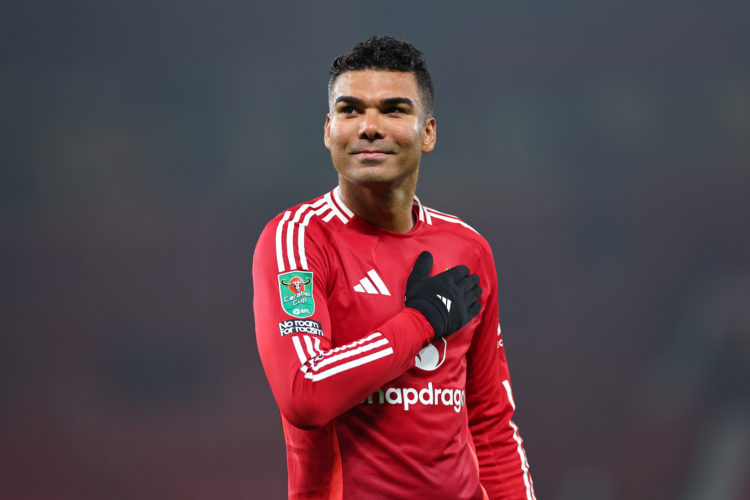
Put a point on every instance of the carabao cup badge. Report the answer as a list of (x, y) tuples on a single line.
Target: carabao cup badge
[(296, 290)]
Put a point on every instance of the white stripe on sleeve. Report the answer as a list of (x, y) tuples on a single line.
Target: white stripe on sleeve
[(506, 384), (333, 352), (301, 240), (521, 452), (348, 366), (279, 231), (310, 350), (524, 463), (348, 354), (317, 345), (290, 246), (339, 359), (300, 352)]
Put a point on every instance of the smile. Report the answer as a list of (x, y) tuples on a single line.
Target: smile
[(371, 155)]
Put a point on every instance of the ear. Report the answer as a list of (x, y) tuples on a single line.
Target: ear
[(429, 136), (327, 131)]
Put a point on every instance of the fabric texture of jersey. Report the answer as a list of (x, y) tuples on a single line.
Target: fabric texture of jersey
[(370, 408)]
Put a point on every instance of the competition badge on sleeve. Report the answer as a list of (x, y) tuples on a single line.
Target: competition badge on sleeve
[(296, 290)]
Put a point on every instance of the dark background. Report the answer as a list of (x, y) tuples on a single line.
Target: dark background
[(602, 148)]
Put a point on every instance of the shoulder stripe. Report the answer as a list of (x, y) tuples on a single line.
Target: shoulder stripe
[(323, 209), (279, 231), (301, 240), (290, 248), (304, 207), (290, 245), (335, 209), (290, 234), (449, 218), (330, 216)]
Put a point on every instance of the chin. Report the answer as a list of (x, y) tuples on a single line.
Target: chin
[(374, 172), (376, 175), (373, 179)]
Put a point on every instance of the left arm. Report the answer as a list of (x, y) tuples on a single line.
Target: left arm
[(503, 466)]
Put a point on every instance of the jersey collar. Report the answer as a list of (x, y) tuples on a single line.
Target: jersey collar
[(417, 208)]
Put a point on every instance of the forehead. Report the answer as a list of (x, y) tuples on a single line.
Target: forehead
[(371, 84)]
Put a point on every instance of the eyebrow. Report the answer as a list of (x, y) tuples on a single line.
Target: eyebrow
[(390, 101), (393, 101)]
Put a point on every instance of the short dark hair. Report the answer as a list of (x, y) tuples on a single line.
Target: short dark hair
[(389, 54)]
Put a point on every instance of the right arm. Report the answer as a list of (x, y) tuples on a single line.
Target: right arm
[(312, 380)]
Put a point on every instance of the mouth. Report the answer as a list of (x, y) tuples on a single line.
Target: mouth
[(371, 154)]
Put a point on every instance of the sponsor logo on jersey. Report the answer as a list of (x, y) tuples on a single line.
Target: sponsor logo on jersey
[(431, 356), (407, 397), (300, 326), (296, 290)]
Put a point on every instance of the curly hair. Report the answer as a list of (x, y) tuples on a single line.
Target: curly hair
[(389, 54)]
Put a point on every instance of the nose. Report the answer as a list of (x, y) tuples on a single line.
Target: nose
[(369, 128)]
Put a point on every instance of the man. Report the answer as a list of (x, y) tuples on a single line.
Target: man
[(382, 351)]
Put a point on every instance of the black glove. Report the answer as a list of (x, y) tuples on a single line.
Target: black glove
[(448, 300)]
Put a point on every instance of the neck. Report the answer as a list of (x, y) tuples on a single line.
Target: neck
[(385, 206)]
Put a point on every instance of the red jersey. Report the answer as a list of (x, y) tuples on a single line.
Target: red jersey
[(370, 408)]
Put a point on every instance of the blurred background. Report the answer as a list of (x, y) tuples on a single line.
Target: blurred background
[(602, 148)]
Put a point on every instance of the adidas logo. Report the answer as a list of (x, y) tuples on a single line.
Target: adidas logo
[(445, 301), (372, 284)]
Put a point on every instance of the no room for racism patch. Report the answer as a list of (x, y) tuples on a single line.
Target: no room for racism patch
[(300, 326)]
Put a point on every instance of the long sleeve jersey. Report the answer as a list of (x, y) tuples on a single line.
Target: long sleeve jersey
[(371, 408)]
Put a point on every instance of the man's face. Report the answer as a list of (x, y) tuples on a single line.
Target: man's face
[(376, 130)]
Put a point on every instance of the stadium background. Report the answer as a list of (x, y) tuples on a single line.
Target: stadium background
[(602, 148)]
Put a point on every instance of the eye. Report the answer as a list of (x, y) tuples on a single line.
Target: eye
[(394, 109), (347, 110)]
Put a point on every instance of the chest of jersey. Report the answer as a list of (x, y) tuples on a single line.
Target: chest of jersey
[(368, 285)]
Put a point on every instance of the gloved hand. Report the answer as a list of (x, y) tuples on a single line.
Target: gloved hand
[(448, 300)]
